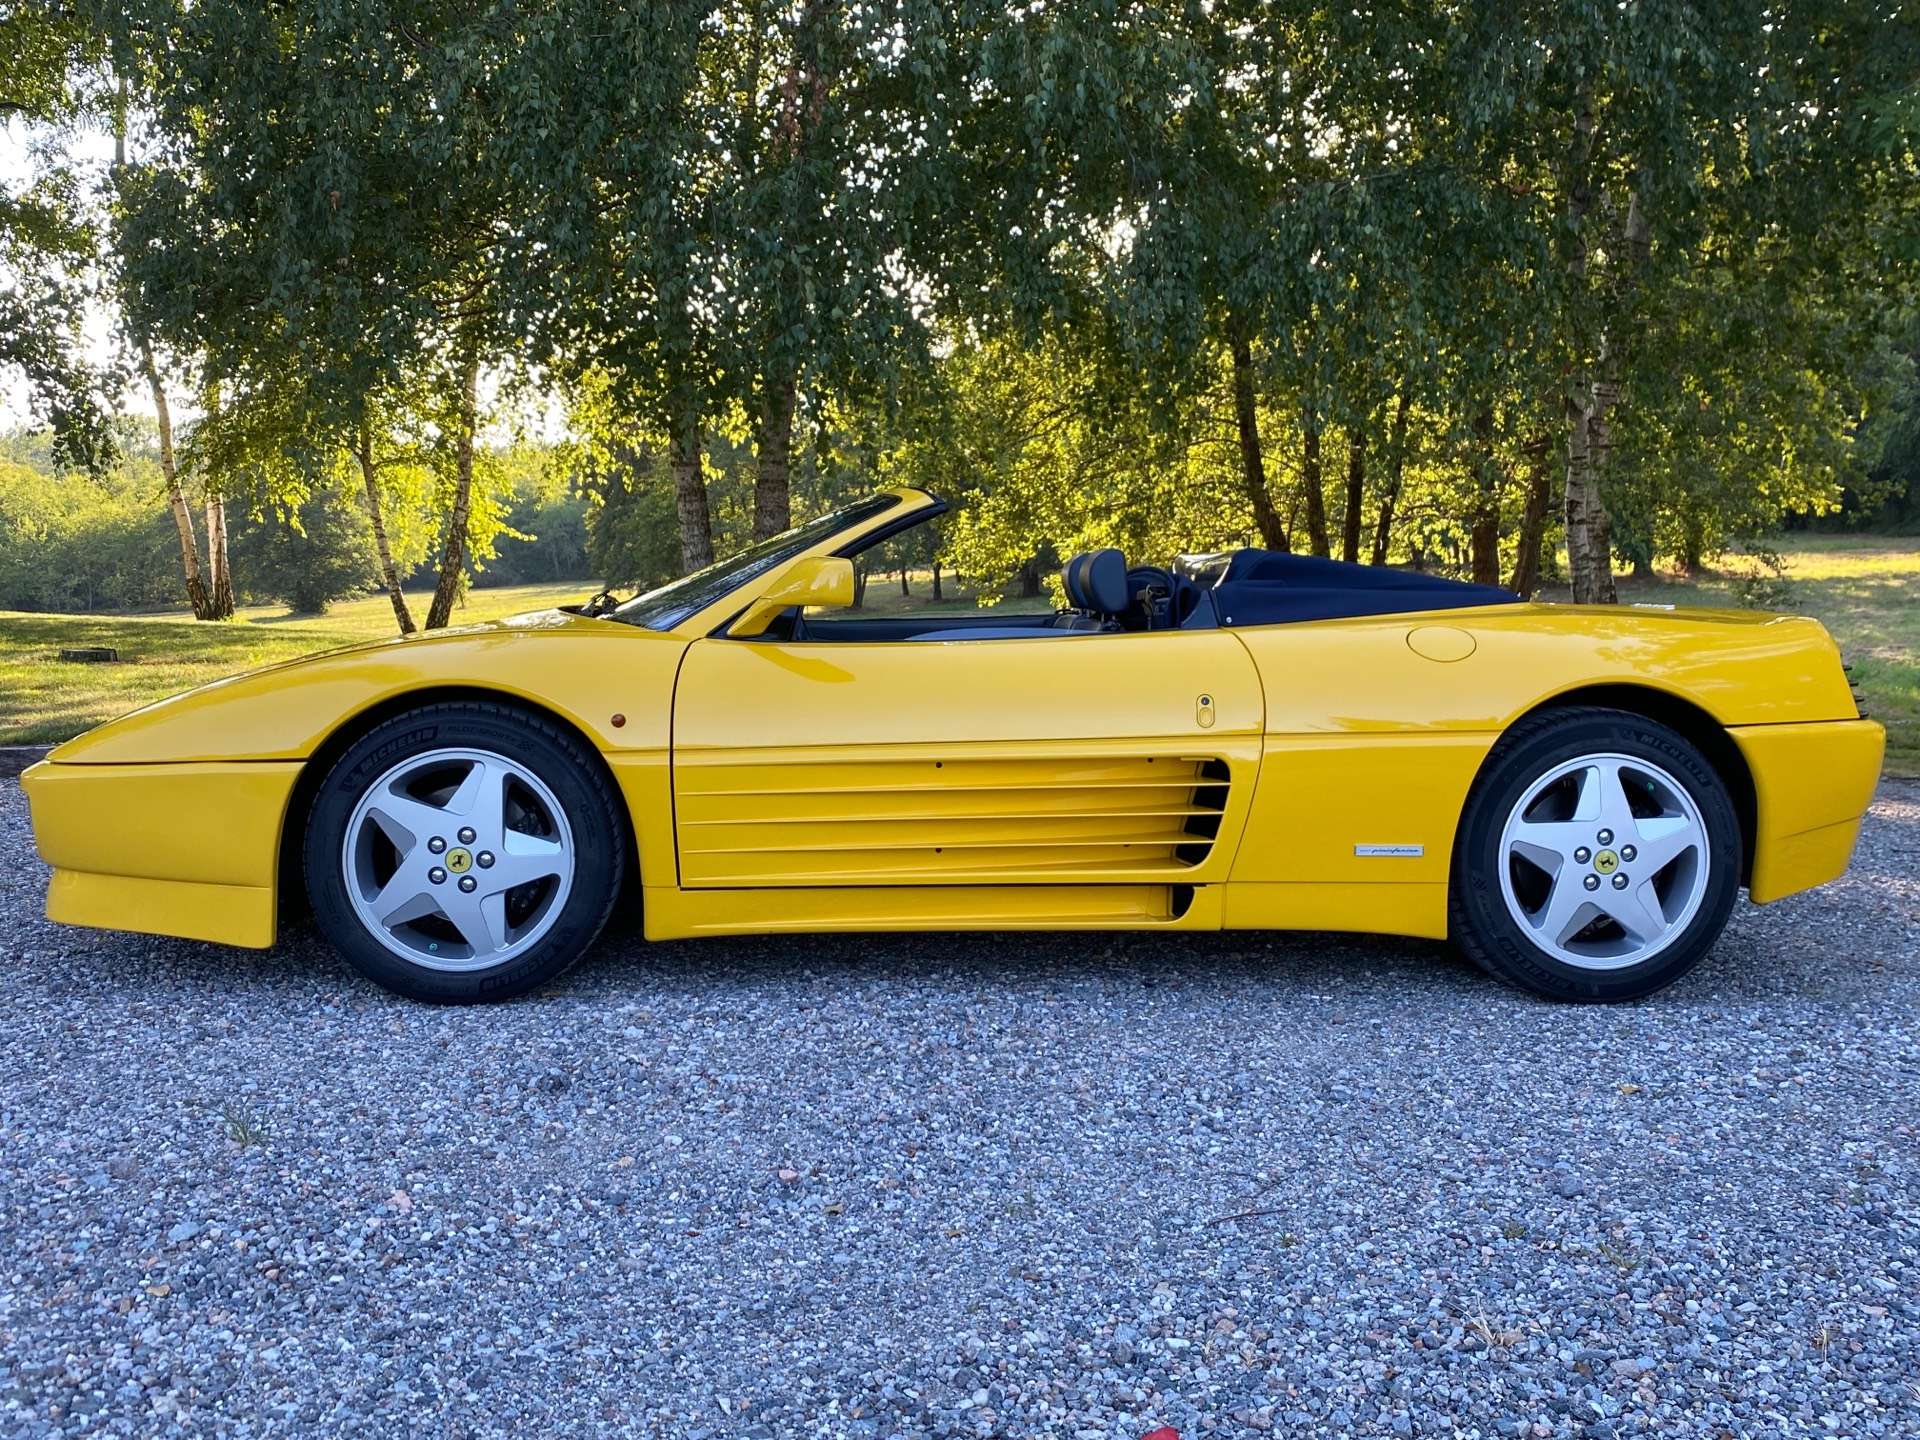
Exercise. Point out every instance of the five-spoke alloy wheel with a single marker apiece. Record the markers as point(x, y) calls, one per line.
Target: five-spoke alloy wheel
point(458, 859)
point(464, 851)
point(1598, 858)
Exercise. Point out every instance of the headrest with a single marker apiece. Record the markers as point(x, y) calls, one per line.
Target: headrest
point(1096, 580)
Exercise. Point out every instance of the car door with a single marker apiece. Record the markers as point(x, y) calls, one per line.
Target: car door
point(1075, 758)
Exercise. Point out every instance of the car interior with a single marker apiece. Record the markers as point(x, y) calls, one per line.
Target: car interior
point(1107, 596)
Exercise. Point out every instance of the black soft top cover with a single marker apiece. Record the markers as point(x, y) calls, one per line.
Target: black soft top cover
point(1266, 587)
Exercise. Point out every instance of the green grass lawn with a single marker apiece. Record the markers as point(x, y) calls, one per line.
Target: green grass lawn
point(1865, 588)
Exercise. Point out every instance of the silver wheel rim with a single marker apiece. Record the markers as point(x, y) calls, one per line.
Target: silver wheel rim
point(458, 859)
point(1604, 861)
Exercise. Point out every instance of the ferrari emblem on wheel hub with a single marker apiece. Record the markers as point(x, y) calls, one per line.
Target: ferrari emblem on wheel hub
point(1606, 862)
point(459, 861)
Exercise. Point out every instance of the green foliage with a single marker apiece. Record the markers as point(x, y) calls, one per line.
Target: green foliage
point(306, 555)
point(1167, 276)
point(79, 543)
point(47, 236)
point(1890, 494)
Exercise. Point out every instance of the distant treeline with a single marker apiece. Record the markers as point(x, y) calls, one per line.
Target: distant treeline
point(72, 542)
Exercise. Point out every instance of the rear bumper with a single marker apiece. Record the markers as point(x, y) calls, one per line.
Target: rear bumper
point(190, 850)
point(1812, 786)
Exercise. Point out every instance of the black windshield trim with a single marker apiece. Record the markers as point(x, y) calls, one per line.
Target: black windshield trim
point(892, 528)
point(673, 604)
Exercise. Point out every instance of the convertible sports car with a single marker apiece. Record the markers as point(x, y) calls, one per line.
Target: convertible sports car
point(1254, 741)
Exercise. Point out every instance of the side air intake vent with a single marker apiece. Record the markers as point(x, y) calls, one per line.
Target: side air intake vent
point(854, 822)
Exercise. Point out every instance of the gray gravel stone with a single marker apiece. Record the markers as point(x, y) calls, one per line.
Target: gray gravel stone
point(966, 1186)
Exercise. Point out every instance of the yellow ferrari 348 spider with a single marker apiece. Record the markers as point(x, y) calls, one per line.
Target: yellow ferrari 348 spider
point(1254, 741)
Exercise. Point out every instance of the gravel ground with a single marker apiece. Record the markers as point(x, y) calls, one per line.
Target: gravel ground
point(1007, 1186)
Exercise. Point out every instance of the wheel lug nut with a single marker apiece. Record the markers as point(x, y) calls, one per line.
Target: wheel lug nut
point(1582, 855)
point(436, 845)
point(467, 836)
point(1627, 852)
point(484, 859)
point(437, 875)
point(1620, 880)
point(1605, 837)
point(467, 883)
point(1592, 882)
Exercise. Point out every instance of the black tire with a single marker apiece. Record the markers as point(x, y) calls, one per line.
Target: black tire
point(1480, 924)
point(577, 779)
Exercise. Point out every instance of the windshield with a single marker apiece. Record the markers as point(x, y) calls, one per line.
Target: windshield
point(666, 607)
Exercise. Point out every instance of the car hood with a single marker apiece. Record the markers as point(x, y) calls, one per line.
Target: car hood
point(548, 658)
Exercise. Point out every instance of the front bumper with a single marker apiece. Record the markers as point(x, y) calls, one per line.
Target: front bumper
point(1812, 786)
point(190, 849)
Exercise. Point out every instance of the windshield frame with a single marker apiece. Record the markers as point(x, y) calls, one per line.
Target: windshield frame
point(681, 602)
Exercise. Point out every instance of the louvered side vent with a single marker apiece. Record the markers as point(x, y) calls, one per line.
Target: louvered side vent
point(855, 822)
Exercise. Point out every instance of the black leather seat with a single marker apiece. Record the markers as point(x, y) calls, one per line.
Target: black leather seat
point(1097, 589)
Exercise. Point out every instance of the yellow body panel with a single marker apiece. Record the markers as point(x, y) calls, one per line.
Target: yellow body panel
point(1299, 776)
point(1812, 786)
point(1321, 796)
point(225, 914)
point(964, 762)
point(175, 849)
point(1356, 676)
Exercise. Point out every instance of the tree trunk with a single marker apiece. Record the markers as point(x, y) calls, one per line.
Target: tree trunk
point(1030, 579)
point(690, 490)
point(1356, 493)
point(376, 516)
point(220, 590)
point(1589, 541)
point(936, 578)
point(170, 472)
point(1311, 481)
point(904, 591)
point(1693, 543)
point(772, 505)
point(1253, 465)
point(1397, 466)
point(1605, 394)
point(1484, 536)
point(1533, 530)
point(453, 547)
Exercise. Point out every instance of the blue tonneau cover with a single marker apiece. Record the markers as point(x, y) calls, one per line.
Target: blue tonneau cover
point(1266, 587)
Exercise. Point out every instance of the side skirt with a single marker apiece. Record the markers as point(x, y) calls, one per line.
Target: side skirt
point(674, 914)
point(1417, 909)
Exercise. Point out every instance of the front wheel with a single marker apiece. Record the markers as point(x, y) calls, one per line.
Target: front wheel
point(1598, 858)
point(464, 851)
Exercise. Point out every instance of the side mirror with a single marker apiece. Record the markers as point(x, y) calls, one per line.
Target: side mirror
point(817, 580)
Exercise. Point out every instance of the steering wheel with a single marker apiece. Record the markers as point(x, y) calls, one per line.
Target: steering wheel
point(1142, 581)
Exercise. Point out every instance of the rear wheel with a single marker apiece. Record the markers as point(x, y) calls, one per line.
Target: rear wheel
point(465, 851)
point(1599, 857)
